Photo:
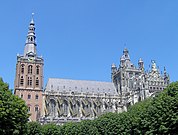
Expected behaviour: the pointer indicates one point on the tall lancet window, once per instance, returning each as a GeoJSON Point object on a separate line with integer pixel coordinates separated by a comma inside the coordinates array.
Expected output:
{"type": "Point", "coordinates": [37, 70]}
{"type": "Point", "coordinates": [22, 69]}
{"type": "Point", "coordinates": [65, 107]}
{"type": "Point", "coordinates": [30, 67]}
{"type": "Point", "coordinates": [37, 82]}
{"type": "Point", "coordinates": [52, 107]}
{"type": "Point", "coordinates": [31, 39]}
{"type": "Point", "coordinates": [21, 80]}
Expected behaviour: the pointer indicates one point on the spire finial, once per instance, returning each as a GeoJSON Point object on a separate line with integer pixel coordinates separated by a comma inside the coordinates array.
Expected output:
{"type": "Point", "coordinates": [154, 68]}
{"type": "Point", "coordinates": [30, 44]}
{"type": "Point", "coordinates": [32, 21]}
{"type": "Point", "coordinates": [125, 48]}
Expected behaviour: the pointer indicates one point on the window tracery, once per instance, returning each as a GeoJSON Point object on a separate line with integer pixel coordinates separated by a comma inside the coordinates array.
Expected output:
{"type": "Point", "coordinates": [30, 69]}
{"type": "Point", "coordinates": [37, 70]}
{"type": "Point", "coordinates": [29, 82]}
{"type": "Point", "coordinates": [37, 82]}
{"type": "Point", "coordinates": [21, 80]}
{"type": "Point", "coordinates": [52, 107]}
{"type": "Point", "coordinates": [22, 68]}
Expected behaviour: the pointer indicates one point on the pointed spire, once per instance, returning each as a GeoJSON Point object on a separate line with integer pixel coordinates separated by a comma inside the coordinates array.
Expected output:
{"type": "Point", "coordinates": [166, 77]}
{"type": "Point", "coordinates": [126, 54]}
{"type": "Point", "coordinates": [140, 60]}
{"type": "Point", "coordinates": [165, 73]}
{"type": "Point", "coordinates": [153, 66]}
{"type": "Point", "coordinates": [113, 68]}
{"type": "Point", "coordinates": [141, 64]}
{"type": "Point", "coordinates": [113, 65]}
{"type": "Point", "coordinates": [30, 44]}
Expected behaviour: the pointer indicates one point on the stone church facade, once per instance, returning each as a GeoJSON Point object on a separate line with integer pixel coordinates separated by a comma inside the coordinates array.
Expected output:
{"type": "Point", "coordinates": [64, 100]}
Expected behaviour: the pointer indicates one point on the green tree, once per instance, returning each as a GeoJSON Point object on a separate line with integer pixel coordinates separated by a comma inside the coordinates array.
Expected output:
{"type": "Point", "coordinates": [13, 112]}
{"type": "Point", "coordinates": [137, 114]}
{"type": "Point", "coordinates": [161, 117]}
{"type": "Point", "coordinates": [114, 124]}
{"type": "Point", "coordinates": [34, 128]}
{"type": "Point", "coordinates": [69, 128]}
{"type": "Point", "coordinates": [87, 127]}
{"type": "Point", "coordinates": [51, 129]}
{"type": "Point", "coordinates": [106, 123]}
{"type": "Point", "coordinates": [3, 86]}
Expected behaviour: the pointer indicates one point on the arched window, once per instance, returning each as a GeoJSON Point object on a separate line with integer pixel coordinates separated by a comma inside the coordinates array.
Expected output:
{"type": "Point", "coordinates": [65, 107]}
{"type": "Point", "coordinates": [29, 107]}
{"type": "Point", "coordinates": [37, 70]}
{"type": "Point", "coordinates": [37, 82]}
{"type": "Point", "coordinates": [30, 69]}
{"type": "Point", "coordinates": [52, 107]}
{"type": "Point", "coordinates": [36, 97]}
{"type": "Point", "coordinates": [29, 82]}
{"type": "Point", "coordinates": [21, 81]}
{"type": "Point", "coordinates": [22, 68]}
{"type": "Point", "coordinates": [29, 96]}
{"type": "Point", "coordinates": [36, 108]}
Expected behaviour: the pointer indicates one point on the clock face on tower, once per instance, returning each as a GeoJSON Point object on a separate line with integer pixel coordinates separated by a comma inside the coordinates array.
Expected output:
{"type": "Point", "coordinates": [31, 59]}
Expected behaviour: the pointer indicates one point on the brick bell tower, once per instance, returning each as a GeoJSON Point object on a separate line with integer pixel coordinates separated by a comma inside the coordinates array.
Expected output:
{"type": "Point", "coordinates": [28, 83]}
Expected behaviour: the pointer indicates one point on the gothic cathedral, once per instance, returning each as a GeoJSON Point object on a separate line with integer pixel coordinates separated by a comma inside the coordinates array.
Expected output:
{"type": "Point", "coordinates": [64, 100]}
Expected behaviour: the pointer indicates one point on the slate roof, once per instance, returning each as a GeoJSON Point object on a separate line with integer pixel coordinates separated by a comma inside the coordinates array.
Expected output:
{"type": "Point", "coordinates": [81, 86]}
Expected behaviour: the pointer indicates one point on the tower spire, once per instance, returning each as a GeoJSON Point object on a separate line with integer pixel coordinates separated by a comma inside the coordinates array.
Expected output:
{"type": "Point", "coordinates": [30, 44]}
{"type": "Point", "coordinates": [32, 20]}
{"type": "Point", "coordinates": [141, 64]}
{"type": "Point", "coordinates": [126, 54]}
{"type": "Point", "coordinates": [29, 74]}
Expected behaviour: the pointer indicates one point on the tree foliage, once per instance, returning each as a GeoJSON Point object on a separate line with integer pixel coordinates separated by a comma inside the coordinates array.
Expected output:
{"type": "Point", "coordinates": [87, 127]}
{"type": "Point", "coordinates": [70, 129]}
{"type": "Point", "coordinates": [161, 117]}
{"type": "Point", "coordinates": [13, 112]}
{"type": "Point", "coordinates": [34, 128]}
{"type": "Point", "coordinates": [51, 129]}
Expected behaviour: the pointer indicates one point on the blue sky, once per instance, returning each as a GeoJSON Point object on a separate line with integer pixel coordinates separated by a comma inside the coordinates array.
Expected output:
{"type": "Point", "coordinates": [81, 39]}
